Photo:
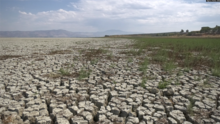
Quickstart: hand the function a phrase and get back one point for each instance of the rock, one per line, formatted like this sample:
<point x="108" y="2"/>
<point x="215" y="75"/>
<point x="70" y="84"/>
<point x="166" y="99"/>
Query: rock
<point x="150" y="119"/>
<point x="172" y="121"/>
<point x="115" y="111"/>
<point x="61" y="121"/>
<point x="74" y="109"/>
<point x="168" y="92"/>
<point x="186" y="122"/>
<point x="125" y="110"/>
<point x="43" y="120"/>
<point x="159" y="107"/>
<point x="153" y="90"/>
<point x="78" y="120"/>
<point x="181" y="108"/>
<point x="178" y="116"/>
<point x="208" y="121"/>
<point x="67" y="114"/>
<point x="216" y="118"/>
<point x="132" y="120"/>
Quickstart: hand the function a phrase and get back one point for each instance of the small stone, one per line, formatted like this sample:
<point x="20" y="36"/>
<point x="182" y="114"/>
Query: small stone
<point x="178" y="116"/>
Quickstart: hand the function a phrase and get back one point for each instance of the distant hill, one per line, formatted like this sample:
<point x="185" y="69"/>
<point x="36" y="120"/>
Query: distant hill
<point x="59" y="33"/>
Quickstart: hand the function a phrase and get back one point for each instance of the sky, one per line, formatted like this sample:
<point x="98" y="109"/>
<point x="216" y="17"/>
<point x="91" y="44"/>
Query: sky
<point x="141" y="16"/>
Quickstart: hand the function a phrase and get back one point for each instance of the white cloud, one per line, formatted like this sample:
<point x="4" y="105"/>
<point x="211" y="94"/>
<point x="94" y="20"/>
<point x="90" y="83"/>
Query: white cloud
<point x="141" y="15"/>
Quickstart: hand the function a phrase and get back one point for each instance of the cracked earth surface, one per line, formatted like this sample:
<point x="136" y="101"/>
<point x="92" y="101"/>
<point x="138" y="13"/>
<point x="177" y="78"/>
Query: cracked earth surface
<point x="89" y="80"/>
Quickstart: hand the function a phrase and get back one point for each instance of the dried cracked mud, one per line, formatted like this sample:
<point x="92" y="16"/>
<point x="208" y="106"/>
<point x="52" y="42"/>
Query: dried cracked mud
<point x="89" y="81"/>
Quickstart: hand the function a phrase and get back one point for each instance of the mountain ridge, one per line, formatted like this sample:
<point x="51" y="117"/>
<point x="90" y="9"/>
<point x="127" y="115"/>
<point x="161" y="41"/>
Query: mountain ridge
<point x="59" y="33"/>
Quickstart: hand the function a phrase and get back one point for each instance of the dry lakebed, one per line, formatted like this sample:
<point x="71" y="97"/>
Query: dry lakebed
<point x="94" y="81"/>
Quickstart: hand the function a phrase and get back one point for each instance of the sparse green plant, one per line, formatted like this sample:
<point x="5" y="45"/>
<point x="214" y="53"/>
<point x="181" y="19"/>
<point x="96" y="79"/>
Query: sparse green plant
<point x="216" y="72"/>
<point x="143" y="82"/>
<point x="179" y="73"/>
<point x="177" y="83"/>
<point x="114" y="82"/>
<point x="163" y="85"/>
<point x="83" y="74"/>
<point x="113" y="65"/>
<point x="130" y="60"/>
<point x="197" y="79"/>
<point x="72" y="65"/>
<point x="186" y="70"/>
<point x="206" y="84"/>
<point x="169" y="66"/>
<point x="64" y="72"/>
<point x="94" y="61"/>
<point x="190" y="106"/>
<point x="143" y="66"/>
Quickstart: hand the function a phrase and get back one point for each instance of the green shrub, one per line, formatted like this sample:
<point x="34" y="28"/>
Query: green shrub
<point x="163" y="85"/>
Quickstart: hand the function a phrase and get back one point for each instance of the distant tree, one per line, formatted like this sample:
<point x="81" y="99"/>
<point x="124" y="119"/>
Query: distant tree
<point x="205" y="29"/>
<point x="182" y="31"/>
<point x="187" y="31"/>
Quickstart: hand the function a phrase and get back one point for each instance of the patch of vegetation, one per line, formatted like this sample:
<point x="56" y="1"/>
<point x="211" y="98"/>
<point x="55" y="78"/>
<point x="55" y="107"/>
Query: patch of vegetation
<point x="143" y="83"/>
<point x="113" y="65"/>
<point x="177" y="83"/>
<point x="130" y="60"/>
<point x="195" y="53"/>
<point x="206" y="84"/>
<point x="60" y="52"/>
<point x="190" y="107"/>
<point x="186" y="70"/>
<point x="169" y="66"/>
<point x="110" y="56"/>
<point x="83" y="74"/>
<point x="114" y="82"/>
<point x="72" y="65"/>
<point x="64" y="72"/>
<point x="4" y="57"/>
<point x="39" y="59"/>
<point x="133" y="52"/>
<point x="94" y="61"/>
<point x="93" y="53"/>
<point x="163" y="85"/>
<point x="52" y="75"/>
<point x="143" y="66"/>
<point x="216" y="72"/>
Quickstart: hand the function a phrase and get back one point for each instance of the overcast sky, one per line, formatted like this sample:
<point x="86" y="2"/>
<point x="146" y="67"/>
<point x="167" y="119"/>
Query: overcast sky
<point x="144" y="16"/>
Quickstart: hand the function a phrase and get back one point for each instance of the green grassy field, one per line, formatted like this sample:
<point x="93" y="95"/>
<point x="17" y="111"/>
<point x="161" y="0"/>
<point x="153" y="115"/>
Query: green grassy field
<point x="189" y="53"/>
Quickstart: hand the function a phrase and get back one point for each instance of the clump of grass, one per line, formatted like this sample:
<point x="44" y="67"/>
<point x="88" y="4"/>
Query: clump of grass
<point x="169" y="66"/>
<point x="94" y="61"/>
<point x="113" y="65"/>
<point x="110" y="56"/>
<point x="91" y="53"/>
<point x="72" y="65"/>
<point x="206" y="84"/>
<point x="186" y="70"/>
<point x="143" y="66"/>
<point x="190" y="106"/>
<point x="83" y="74"/>
<point x="177" y="83"/>
<point x="4" y="57"/>
<point x="52" y="75"/>
<point x="60" y="52"/>
<point x="133" y="52"/>
<point x="114" y="82"/>
<point x="64" y="72"/>
<point x="163" y="85"/>
<point x="130" y="60"/>
<point x="143" y="83"/>
<point x="216" y="72"/>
